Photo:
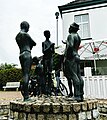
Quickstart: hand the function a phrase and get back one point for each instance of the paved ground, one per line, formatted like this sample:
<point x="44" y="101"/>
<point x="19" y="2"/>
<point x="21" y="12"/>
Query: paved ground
<point x="7" y="96"/>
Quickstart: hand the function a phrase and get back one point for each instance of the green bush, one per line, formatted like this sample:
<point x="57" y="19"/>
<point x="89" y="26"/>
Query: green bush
<point x="57" y="61"/>
<point x="10" y="75"/>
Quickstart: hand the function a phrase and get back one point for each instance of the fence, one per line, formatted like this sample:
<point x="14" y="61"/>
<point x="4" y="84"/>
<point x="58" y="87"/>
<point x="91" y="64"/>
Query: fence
<point x="94" y="86"/>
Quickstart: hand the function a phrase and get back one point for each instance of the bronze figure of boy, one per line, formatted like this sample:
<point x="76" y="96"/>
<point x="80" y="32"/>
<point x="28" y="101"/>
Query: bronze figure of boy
<point x="25" y="44"/>
<point x="39" y="75"/>
<point x="48" y="51"/>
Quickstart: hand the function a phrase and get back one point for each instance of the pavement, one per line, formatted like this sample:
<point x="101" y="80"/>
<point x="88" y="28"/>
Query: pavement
<point x="7" y="96"/>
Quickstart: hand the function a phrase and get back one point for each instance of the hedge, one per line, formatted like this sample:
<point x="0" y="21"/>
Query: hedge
<point x="10" y="75"/>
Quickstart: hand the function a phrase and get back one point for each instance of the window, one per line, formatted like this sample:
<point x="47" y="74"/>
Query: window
<point x="83" y="21"/>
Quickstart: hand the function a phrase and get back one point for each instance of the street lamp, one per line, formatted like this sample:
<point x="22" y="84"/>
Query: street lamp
<point x="57" y="15"/>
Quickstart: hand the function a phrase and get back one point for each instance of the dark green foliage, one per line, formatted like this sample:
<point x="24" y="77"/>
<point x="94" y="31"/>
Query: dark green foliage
<point x="7" y="66"/>
<point x="57" y="61"/>
<point x="11" y="75"/>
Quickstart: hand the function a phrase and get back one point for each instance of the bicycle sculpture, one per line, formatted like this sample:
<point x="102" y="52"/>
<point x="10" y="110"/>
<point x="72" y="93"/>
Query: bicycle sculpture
<point x="37" y="82"/>
<point x="58" y="89"/>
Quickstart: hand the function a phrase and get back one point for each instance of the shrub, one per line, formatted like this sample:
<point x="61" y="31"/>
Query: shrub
<point x="11" y="75"/>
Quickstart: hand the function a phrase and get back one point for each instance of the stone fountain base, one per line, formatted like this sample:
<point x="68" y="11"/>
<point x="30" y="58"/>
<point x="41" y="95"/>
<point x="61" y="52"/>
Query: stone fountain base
<point x="54" y="108"/>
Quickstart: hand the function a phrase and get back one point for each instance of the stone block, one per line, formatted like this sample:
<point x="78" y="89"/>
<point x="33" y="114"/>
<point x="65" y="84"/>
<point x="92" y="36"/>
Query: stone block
<point x="5" y="111"/>
<point x="20" y="107"/>
<point x="99" y="109"/>
<point x="89" y="105"/>
<point x="95" y="104"/>
<point x="11" y="114"/>
<point x="72" y="117"/>
<point x="40" y="117"/>
<point x="104" y="110"/>
<point x="36" y="107"/>
<point x="13" y="106"/>
<point x="46" y="107"/>
<point x="95" y="113"/>
<point x="31" y="117"/>
<point x="82" y="116"/>
<point x="105" y="105"/>
<point x="84" y="106"/>
<point x="100" y="104"/>
<point x="27" y="107"/>
<point x="102" y="117"/>
<point x="76" y="107"/>
<point x="66" y="107"/>
<point x="3" y="118"/>
<point x="17" y="106"/>
<point x="56" y="107"/>
<point x="15" y="115"/>
<point x="88" y="114"/>
<point x="1" y="111"/>
<point x="56" y="117"/>
<point x="22" y="116"/>
<point x="5" y="106"/>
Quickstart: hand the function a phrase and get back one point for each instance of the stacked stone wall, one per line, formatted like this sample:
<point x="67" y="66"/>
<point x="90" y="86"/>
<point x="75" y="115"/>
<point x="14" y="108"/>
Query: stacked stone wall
<point x="102" y="108"/>
<point x="54" y="108"/>
<point x="4" y="111"/>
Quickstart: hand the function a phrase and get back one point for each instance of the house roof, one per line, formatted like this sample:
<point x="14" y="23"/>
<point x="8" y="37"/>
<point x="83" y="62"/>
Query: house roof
<point x="80" y="3"/>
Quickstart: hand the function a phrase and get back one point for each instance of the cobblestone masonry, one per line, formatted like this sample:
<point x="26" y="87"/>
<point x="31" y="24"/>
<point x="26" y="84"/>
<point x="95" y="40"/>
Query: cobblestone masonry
<point x="54" y="108"/>
<point x="4" y="111"/>
<point x="102" y="107"/>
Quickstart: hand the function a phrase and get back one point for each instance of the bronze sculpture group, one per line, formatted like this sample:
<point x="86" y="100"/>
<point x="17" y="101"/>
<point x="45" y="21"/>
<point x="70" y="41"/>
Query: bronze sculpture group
<point x="71" y="61"/>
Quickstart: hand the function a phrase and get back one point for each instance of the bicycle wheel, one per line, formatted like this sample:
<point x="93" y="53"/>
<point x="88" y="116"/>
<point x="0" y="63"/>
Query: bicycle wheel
<point x="63" y="89"/>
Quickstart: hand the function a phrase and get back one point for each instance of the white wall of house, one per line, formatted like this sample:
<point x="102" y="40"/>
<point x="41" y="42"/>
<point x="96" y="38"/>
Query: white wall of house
<point x="97" y="21"/>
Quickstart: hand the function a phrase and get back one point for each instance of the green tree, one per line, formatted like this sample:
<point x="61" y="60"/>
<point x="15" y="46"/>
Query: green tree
<point x="7" y="66"/>
<point x="9" y="72"/>
<point x="57" y="61"/>
<point x="10" y="75"/>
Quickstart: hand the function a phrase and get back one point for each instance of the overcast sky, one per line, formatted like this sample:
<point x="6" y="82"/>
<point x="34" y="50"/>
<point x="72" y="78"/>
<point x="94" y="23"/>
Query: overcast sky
<point x="41" y="16"/>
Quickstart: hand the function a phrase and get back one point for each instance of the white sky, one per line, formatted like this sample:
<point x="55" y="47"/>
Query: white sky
<point x="41" y="16"/>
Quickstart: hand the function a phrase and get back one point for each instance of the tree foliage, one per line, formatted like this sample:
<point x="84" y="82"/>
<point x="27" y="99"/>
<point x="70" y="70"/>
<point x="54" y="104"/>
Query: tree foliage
<point x="57" y="61"/>
<point x="8" y="72"/>
<point x="7" y="66"/>
<point x="11" y="75"/>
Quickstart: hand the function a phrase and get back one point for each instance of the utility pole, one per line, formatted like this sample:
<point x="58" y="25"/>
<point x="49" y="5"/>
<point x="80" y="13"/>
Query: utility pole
<point x="57" y="15"/>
